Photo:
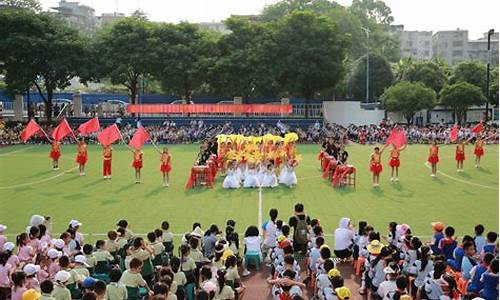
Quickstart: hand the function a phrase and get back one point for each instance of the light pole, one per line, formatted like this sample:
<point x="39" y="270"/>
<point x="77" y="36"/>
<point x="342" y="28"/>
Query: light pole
<point x="367" y="31"/>
<point x="487" y="115"/>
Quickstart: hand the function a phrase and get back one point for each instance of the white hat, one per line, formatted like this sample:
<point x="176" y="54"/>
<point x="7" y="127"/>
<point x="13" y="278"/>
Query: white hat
<point x="81" y="260"/>
<point x="74" y="223"/>
<point x="3" y="228"/>
<point x="198" y="232"/>
<point x="62" y="276"/>
<point x="58" y="243"/>
<point x="36" y="220"/>
<point x="31" y="269"/>
<point x="53" y="253"/>
<point x="9" y="246"/>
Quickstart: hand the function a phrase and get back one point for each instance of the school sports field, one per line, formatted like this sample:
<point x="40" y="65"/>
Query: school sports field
<point x="29" y="186"/>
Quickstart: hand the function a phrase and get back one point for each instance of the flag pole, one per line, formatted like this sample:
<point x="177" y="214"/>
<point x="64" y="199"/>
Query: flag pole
<point x="46" y="135"/>
<point x="156" y="147"/>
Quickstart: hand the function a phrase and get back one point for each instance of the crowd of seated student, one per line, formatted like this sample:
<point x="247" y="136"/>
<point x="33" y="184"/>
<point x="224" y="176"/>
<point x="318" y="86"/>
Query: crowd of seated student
<point x="207" y="264"/>
<point x="171" y="133"/>
<point x="398" y="265"/>
<point x="123" y="266"/>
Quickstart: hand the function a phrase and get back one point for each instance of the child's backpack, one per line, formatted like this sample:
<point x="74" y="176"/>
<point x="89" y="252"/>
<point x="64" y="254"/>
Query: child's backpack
<point x="264" y="225"/>
<point x="300" y="233"/>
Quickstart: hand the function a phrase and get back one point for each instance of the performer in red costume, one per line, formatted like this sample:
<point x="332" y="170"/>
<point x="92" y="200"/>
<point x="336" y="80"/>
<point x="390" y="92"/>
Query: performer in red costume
<point x="81" y="157"/>
<point x="55" y="154"/>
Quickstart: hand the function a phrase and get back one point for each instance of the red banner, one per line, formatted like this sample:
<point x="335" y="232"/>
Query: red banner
<point x="275" y="109"/>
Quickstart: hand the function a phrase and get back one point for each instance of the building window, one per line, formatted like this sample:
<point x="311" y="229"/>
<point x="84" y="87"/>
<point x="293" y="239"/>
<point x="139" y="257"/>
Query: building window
<point x="427" y="43"/>
<point x="457" y="53"/>
<point x="458" y="43"/>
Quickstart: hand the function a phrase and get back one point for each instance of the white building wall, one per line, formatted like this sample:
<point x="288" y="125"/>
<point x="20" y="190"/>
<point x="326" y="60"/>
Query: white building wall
<point x="350" y="112"/>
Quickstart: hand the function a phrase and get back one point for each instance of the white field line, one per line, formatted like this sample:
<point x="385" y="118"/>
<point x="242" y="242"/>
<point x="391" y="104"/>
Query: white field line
<point x="463" y="181"/>
<point x="259" y="215"/>
<point x="15" y="151"/>
<point x="38" y="181"/>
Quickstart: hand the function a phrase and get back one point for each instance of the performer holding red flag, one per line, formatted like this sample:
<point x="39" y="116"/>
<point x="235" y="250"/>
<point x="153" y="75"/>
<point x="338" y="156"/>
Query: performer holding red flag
<point x="137" y="163"/>
<point x="166" y="166"/>
<point x="135" y="144"/>
<point x="55" y="154"/>
<point x="394" y="163"/>
<point x="433" y="158"/>
<point x="62" y="130"/>
<point x="478" y="145"/>
<point x="81" y="157"/>
<point x="107" y="153"/>
<point x="106" y="138"/>
<point x="478" y="150"/>
<point x="460" y="154"/>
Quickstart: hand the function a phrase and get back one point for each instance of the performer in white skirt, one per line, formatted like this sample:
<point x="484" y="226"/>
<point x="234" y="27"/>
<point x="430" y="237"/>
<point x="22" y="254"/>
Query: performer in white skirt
<point x="231" y="181"/>
<point x="270" y="179"/>
<point x="287" y="174"/>
<point x="262" y="171"/>
<point x="240" y="171"/>
<point x="251" y="177"/>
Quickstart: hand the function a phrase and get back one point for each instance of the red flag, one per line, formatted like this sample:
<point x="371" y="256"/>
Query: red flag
<point x="454" y="133"/>
<point x="400" y="139"/>
<point x="392" y="136"/>
<point x="90" y="126"/>
<point x="139" y="138"/>
<point x="478" y="128"/>
<point x="62" y="130"/>
<point x="109" y="135"/>
<point x="31" y="128"/>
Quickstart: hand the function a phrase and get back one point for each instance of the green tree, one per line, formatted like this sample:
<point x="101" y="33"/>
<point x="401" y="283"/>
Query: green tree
<point x="408" y="98"/>
<point x="473" y="72"/>
<point x="374" y="10"/>
<point x="402" y="67"/>
<point x="429" y="73"/>
<point x="380" y="77"/>
<point x="126" y="53"/>
<point x="21" y="4"/>
<point x="493" y="97"/>
<point x="282" y="8"/>
<point x="459" y="97"/>
<point x="349" y="21"/>
<point x="185" y="54"/>
<point x="41" y="50"/>
<point x="244" y="63"/>
<point x="308" y="54"/>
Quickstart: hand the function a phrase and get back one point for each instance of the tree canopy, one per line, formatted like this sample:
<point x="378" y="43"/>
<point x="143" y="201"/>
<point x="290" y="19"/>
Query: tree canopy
<point x="243" y="63"/>
<point x="308" y="53"/>
<point x="430" y="73"/>
<point x="473" y="72"/>
<point x="21" y="4"/>
<point x="408" y="98"/>
<point x="41" y="50"/>
<point x="381" y="76"/>
<point x="459" y="97"/>
<point x="126" y="52"/>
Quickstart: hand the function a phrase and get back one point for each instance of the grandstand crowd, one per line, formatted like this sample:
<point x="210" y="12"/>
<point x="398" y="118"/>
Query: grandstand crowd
<point x="170" y="133"/>
<point x="209" y="263"/>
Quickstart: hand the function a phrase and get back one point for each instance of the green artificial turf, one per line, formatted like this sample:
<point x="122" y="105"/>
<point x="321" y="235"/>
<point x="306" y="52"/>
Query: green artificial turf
<point x="29" y="186"/>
